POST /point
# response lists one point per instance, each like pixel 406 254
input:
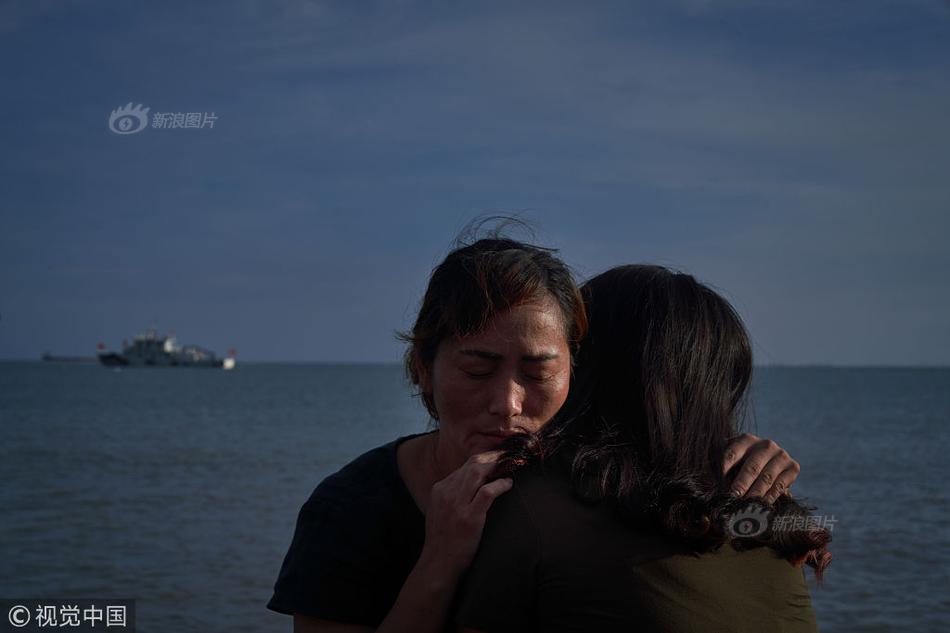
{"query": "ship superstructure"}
pixel 151 349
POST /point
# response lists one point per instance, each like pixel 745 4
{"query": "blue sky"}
pixel 793 154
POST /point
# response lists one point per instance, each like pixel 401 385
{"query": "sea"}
pixel 179 488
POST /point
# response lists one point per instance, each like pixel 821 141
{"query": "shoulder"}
pixel 368 484
pixel 355 540
pixel 543 492
pixel 752 587
pixel 363 474
pixel 520 522
pixel 355 512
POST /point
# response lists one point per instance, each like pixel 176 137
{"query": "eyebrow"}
pixel 531 358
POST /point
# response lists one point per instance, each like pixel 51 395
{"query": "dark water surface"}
pixel 180 487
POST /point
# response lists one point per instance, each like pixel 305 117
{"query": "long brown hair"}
pixel 660 387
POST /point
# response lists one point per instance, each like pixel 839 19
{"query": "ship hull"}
pixel 113 360
pixel 118 360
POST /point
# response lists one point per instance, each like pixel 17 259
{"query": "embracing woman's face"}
pixel 514 374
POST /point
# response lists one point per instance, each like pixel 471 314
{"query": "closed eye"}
pixel 538 377
pixel 538 369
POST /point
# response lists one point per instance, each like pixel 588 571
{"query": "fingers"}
pixel 787 470
pixel 769 475
pixel 475 477
pixel 736 450
pixel 782 483
pixel 752 464
pixel 471 484
pixel 465 482
pixel 462 484
pixel 455 512
pixel 487 494
pixel 488 457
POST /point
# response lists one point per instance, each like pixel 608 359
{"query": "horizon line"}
pixel 806 365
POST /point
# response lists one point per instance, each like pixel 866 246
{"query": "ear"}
pixel 425 376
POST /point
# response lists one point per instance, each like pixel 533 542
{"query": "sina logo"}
pixel 128 120
pixel 748 522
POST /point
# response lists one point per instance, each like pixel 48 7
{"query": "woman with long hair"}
pixel 622 516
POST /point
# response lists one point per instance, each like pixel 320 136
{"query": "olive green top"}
pixel 549 562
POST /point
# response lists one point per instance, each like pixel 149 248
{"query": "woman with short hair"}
pixel 381 544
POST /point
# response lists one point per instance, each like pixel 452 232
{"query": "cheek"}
pixel 547 399
pixel 456 401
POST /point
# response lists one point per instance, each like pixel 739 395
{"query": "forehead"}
pixel 535 328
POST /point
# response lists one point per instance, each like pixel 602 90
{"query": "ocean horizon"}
pixel 94 360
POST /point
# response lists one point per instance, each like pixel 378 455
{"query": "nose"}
pixel 506 399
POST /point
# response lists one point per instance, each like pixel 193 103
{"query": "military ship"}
pixel 154 350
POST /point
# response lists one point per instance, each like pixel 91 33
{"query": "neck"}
pixel 425 463
pixel 441 461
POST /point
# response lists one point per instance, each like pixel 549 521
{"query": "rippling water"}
pixel 180 487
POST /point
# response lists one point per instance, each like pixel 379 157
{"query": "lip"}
pixel 500 435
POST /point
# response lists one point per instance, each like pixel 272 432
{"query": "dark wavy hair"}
pixel 659 390
pixel 481 279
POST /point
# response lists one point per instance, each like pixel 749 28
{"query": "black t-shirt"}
pixel 548 562
pixel 357 538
